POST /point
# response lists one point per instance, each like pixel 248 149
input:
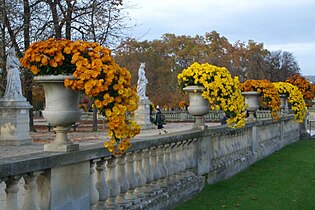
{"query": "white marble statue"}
pixel 142 82
pixel 13 89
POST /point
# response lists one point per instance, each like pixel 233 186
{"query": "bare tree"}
pixel 25 21
pixel 279 65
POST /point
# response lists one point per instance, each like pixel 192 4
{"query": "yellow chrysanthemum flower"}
pixel 220 88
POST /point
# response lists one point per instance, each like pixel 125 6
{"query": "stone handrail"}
pixel 158 172
pixel 184 116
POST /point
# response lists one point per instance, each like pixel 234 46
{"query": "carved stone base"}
pixel 61 148
pixel 142 114
pixel 14 122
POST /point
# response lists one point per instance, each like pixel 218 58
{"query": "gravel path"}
pixel 82 136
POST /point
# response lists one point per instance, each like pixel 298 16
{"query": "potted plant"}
pixel 269 93
pixel 294 97
pixel 306 88
pixel 89 67
pixel 217 87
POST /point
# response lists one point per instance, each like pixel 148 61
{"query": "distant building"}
pixel 310 78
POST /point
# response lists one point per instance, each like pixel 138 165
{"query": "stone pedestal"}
pixel 310 122
pixel 68 187
pixel 14 122
pixel 142 114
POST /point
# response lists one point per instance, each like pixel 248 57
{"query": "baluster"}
pixel 132 179
pixel 186 154
pixel 155 168
pixel 30 198
pixel 180 159
pixel 162 166
pixel 169 163
pixel 190 153
pixel 140 176
pixel 101 184
pixel 93 191
pixel 11 190
pixel 174 161
pixel 193 150
pixel 147 171
pixel 114 187
pixel 123 182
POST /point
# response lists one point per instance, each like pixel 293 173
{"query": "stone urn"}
pixel 61 110
pixel 251 103
pixel 198 106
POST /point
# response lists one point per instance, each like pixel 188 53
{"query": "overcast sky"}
pixel 287 25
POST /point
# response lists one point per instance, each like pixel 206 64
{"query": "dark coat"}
pixel 158 119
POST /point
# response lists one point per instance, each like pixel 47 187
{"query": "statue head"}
pixel 142 65
pixel 11 51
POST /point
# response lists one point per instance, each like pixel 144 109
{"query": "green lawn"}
pixel 285 180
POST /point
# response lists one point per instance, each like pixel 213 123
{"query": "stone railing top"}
pixel 21 164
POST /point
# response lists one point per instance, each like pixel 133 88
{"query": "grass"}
pixel 283 181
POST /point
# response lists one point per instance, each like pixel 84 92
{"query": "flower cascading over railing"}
pixel 97 75
pixel 294 97
pixel 271 99
pixel 221 90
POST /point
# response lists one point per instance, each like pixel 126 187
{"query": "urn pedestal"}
pixel 61 110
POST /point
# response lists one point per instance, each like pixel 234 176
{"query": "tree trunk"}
pixel 54 13
pixel 3 46
pixel 27 75
pixel 94 128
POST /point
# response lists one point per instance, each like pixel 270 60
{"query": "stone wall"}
pixel 158 172
pixel 234 150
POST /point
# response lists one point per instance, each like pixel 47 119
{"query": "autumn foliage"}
pixel 168 56
pixel 307 89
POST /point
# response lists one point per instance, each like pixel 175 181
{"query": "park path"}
pixel 83 135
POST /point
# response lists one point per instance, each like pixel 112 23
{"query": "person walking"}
pixel 159 120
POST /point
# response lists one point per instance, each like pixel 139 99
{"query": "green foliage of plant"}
pixel 284 181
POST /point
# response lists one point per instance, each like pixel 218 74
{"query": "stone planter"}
pixel 251 101
pixel 198 106
pixel 61 110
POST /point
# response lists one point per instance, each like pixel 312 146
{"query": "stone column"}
pixel 93 191
pixel 101 184
pixel 155 168
pixel 147 172
pixel 176 167
pixel 204 156
pixel 186 154
pixel 132 179
pixel 180 157
pixel 139 191
pixel 30 198
pixel 169 163
pixel 123 182
pixel 11 190
pixel 114 187
pixel 193 151
pixel 162 166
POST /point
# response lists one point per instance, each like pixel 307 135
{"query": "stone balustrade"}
pixel 158 172
pixel 180 116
